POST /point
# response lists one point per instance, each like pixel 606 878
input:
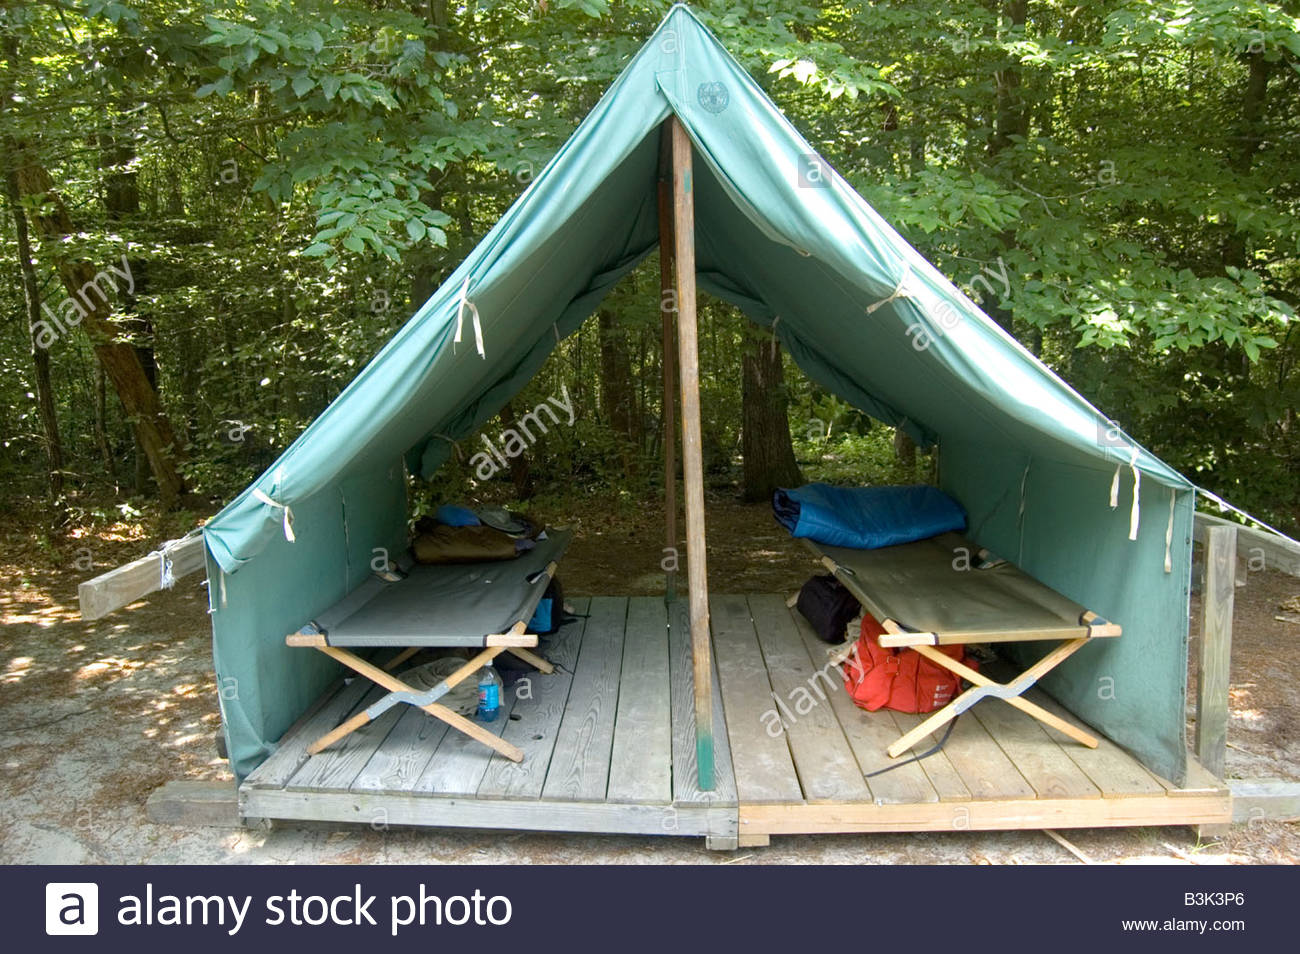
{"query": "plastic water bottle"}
pixel 489 694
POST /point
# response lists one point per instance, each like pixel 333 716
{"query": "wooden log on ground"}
pixel 194 804
pixel 1257 799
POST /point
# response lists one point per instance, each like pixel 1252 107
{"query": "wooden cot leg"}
pixel 401 657
pixel 344 729
pixel 1029 677
pixel 942 717
pixel 393 684
pixel 338 732
pixel 534 660
pixel 1032 675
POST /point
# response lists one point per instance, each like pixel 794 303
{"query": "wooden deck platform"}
pixel 609 747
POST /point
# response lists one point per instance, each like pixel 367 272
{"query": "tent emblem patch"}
pixel 713 96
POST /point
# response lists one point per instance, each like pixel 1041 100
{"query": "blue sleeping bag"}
pixel 866 518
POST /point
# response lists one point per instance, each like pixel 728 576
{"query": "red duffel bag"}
pixel 899 679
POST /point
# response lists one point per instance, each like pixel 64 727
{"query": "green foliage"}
pixel 1115 182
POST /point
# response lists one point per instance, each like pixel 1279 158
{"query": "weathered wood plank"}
pixel 339 765
pixel 1260 798
pixel 333 707
pixel 640 768
pixel 1199 781
pixel 686 787
pixel 668 293
pixel 1258 548
pixel 401 760
pixel 534 723
pixel 943 775
pixel 1033 752
pixel 194 804
pixel 579 768
pixel 1218 593
pixel 688 361
pixel 870 734
pixel 460 762
pixel 112 590
pixel 760 755
pixel 992 815
pixel 1116 773
pixel 822 757
pixel 984 767
pixel 408 809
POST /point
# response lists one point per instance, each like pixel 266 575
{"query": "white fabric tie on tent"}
pixel 899 292
pixel 288 513
pixel 1114 492
pixel 474 318
pixel 1137 481
pixel 1169 533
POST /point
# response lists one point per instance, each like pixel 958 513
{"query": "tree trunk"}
pixel 520 474
pixel 31 292
pixel 905 450
pixel 101 422
pixel 618 396
pixel 122 200
pixel 119 359
pixel 1011 120
pixel 765 429
pixel 1250 136
pixel 40 353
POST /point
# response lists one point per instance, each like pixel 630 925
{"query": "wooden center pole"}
pixel 667 293
pixel 688 359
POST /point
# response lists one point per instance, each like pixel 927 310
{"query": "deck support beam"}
pixel 683 244
pixel 667 308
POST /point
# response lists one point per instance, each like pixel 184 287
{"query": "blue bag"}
pixel 866 518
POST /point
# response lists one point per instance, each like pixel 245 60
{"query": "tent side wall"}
pixel 1132 689
pixel 264 685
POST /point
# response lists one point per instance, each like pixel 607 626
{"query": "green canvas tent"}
pixel 1044 478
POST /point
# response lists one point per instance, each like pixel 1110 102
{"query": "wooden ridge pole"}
pixel 666 293
pixel 692 453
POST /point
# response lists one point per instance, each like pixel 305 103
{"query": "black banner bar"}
pixel 1098 908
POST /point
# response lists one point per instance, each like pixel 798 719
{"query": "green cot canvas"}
pixel 1045 479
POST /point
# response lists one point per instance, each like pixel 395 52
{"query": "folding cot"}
pixel 480 605
pixel 945 590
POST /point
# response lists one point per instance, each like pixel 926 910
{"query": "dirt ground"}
pixel 95 715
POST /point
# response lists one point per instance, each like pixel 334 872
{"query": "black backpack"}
pixel 828 606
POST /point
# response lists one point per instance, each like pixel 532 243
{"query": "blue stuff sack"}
pixel 866 518
pixel 549 615
pixel 455 516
